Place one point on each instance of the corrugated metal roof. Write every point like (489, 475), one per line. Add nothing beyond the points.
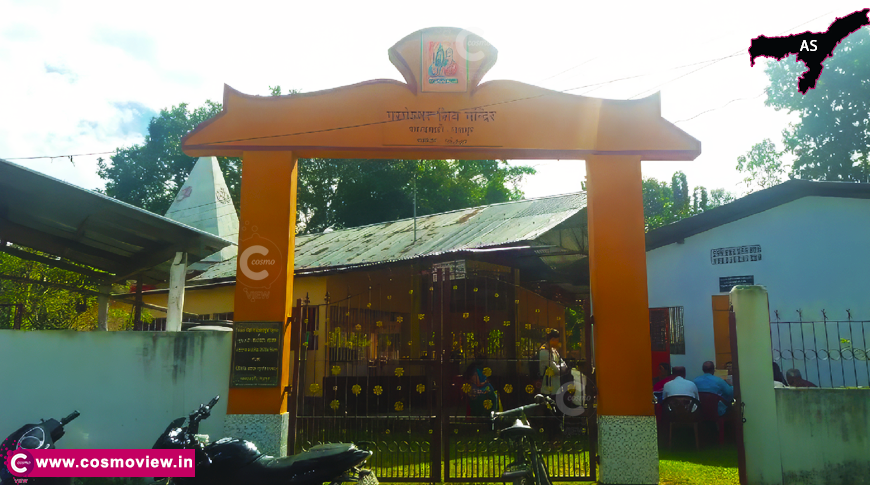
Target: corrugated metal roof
(473, 228)
(55, 217)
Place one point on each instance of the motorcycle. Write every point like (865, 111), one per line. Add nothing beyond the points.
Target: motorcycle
(41, 436)
(528, 468)
(231, 461)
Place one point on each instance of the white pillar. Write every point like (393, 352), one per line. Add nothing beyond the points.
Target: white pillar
(175, 303)
(761, 431)
(103, 307)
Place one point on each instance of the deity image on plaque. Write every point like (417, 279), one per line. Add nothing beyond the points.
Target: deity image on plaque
(444, 69)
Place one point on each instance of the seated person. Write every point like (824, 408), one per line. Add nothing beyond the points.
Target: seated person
(778, 379)
(708, 382)
(794, 378)
(679, 385)
(481, 391)
(664, 377)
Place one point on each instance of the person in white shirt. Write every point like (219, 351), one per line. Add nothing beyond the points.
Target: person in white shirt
(680, 386)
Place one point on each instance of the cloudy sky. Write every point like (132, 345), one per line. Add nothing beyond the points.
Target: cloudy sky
(87, 76)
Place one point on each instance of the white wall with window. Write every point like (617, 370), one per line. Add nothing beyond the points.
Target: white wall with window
(811, 252)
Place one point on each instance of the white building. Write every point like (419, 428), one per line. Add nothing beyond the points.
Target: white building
(807, 242)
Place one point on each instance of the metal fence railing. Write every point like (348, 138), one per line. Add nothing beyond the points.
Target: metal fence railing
(826, 353)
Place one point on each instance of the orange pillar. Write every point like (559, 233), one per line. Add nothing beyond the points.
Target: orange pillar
(264, 288)
(617, 253)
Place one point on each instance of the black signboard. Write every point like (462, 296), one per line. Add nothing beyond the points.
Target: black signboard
(728, 282)
(256, 354)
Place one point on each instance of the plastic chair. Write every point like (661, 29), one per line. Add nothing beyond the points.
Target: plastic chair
(710, 412)
(682, 411)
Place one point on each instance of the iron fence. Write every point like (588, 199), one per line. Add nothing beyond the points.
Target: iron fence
(825, 353)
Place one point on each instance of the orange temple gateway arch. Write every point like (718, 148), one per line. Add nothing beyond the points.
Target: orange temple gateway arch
(442, 111)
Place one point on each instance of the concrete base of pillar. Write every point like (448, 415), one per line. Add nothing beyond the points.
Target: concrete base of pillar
(628, 447)
(267, 431)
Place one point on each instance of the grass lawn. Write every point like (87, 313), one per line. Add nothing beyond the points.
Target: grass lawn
(710, 465)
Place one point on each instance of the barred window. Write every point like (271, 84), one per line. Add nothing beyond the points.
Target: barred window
(223, 316)
(666, 330)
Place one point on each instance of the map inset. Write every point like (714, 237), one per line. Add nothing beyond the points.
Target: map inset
(811, 48)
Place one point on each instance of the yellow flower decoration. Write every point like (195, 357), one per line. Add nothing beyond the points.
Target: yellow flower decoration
(379, 323)
(496, 295)
(455, 431)
(487, 371)
(369, 305)
(558, 318)
(508, 388)
(400, 372)
(409, 343)
(541, 430)
(305, 344)
(528, 326)
(421, 316)
(569, 333)
(571, 388)
(356, 389)
(475, 290)
(410, 292)
(334, 404)
(537, 310)
(421, 388)
(516, 302)
(387, 431)
(336, 370)
(389, 297)
(358, 327)
(465, 315)
(487, 404)
(530, 388)
(389, 342)
(431, 288)
(399, 406)
(398, 388)
(430, 431)
(347, 314)
(549, 372)
(400, 319)
(486, 318)
(378, 390)
(507, 323)
(466, 388)
(305, 321)
(431, 343)
(455, 287)
(314, 388)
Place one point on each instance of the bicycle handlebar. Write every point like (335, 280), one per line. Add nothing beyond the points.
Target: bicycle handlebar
(540, 400)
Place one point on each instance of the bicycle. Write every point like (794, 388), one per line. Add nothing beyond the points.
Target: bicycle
(528, 468)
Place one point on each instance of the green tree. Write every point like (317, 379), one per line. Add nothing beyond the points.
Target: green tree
(47, 307)
(832, 139)
(151, 174)
(665, 203)
(349, 193)
(762, 166)
(331, 193)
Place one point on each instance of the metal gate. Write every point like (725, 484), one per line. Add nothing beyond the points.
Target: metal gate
(386, 365)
